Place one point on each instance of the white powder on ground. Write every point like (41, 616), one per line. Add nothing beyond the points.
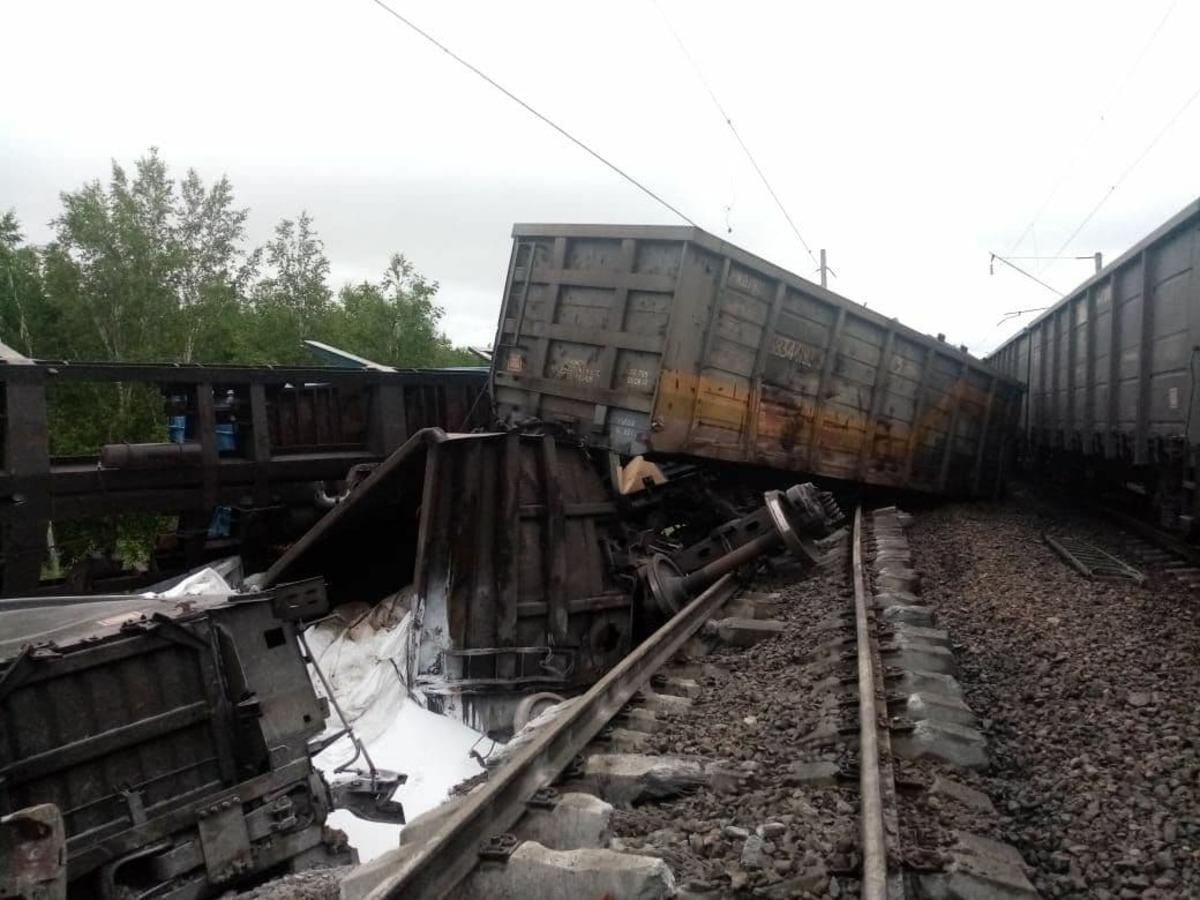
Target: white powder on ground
(363, 654)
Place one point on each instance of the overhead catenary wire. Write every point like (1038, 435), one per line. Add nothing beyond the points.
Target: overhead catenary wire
(530, 109)
(1017, 313)
(729, 121)
(1088, 256)
(1129, 169)
(1005, 260)
(1069, 168)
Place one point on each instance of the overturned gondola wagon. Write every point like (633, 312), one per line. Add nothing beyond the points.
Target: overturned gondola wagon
(157, 746)
(668, 341)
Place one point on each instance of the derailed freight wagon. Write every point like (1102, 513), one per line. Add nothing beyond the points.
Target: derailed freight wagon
(246, 457)
(1111, 372)
(521, 576)
(509, 542)
(668, 341)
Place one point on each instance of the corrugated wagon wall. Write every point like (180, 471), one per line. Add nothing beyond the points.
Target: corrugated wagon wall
(1112, 367)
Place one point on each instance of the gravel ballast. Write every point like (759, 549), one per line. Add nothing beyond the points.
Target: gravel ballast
(775, 832)
(1088, 693)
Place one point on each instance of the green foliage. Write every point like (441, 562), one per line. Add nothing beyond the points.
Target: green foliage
(22, 301)
(394, 321)
(145, 268)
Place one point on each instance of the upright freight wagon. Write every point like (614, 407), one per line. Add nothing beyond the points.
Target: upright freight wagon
(1111, 373)
(668, 341)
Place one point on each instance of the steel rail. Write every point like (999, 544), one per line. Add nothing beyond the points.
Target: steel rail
(449, 854)
(1156, 536)
(874, 846)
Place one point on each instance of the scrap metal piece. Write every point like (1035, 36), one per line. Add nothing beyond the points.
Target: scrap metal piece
(299, 600)
(369, 794)
(33, 854)
(1090, 560)
(224, 840)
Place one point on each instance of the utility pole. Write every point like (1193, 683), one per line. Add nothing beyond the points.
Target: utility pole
(1099, 261)
(825, 270)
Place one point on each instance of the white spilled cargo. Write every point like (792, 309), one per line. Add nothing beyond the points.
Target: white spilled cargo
(363, 653)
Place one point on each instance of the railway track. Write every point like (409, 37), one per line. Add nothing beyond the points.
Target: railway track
(855, 801)
(1088, 688)
(1155, 549)
(1102, 541)
(448, 855)
(881, 876)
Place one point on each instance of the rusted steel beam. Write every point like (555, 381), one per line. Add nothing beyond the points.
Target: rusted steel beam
(507, 570)
(554, 546)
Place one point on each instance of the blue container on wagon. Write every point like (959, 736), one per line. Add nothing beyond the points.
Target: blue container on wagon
(226, 437)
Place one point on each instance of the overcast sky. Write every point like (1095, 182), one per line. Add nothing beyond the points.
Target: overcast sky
(910, 139)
